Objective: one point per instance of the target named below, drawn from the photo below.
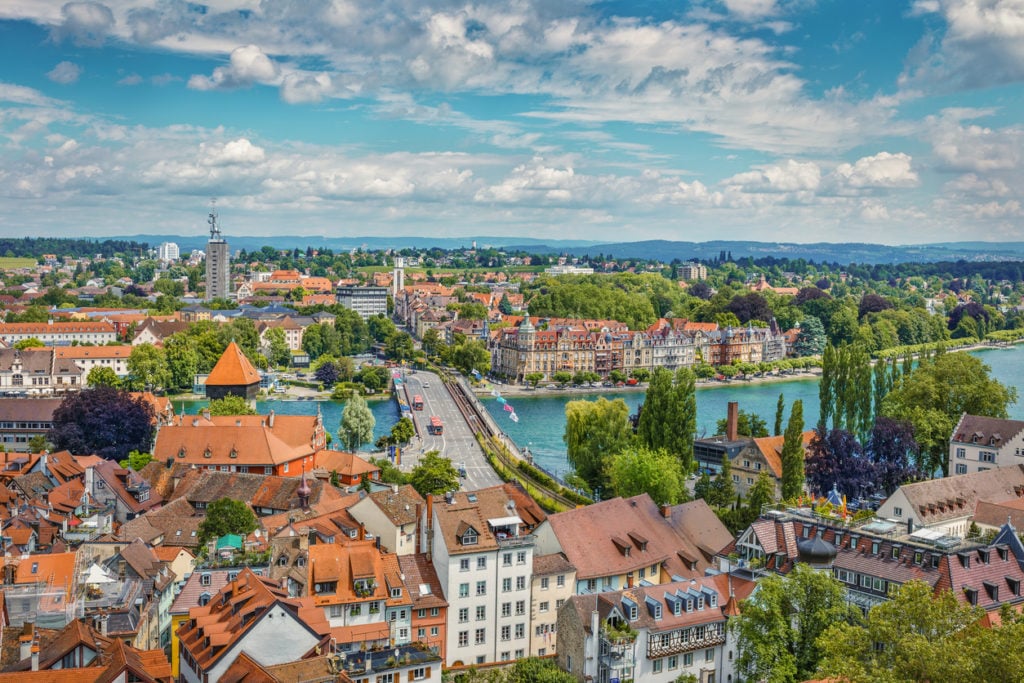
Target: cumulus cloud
(240, 151)
(130, 79)
(85, 23)
(973, 148)
(305, 87)
(65, 73)
(983, 45)
(973, 185)
(247, 65)
(790, 176)
(750, 9)
(883, 170)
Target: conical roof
(233, 369)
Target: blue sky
(891, 121)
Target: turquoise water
(384, 411)
(542, 417)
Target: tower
(218, 264)
(398, 281)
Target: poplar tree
(828, 369)
(793, 453)
(668, 420)
(780, 407)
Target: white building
(982, 443)
(366, 301)
(168, 251)
(482, 552)
(568, 270)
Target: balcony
(677, 644)
(508, 541)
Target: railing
(656, 649)
(516, 541)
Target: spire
(304, 489)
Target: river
(542, 417)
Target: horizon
(794, 121)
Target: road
(457, 443)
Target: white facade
(984, 443)
(168, 251)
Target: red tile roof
(233, 369)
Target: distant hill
(665, 250)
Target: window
(987, 456)
(519, 654)
(421, 633)
(736, 480)
(434, 631)
(544, 606)
(688, 659)
(558, 604)
(506, 633)
(560, 581)
(961, 469)
(421, 614)
(961, 452)
(463, 590)
(335, 611)
(481, 588)
(520, 631)
(544, 583)
(481, 563)
(520, 583)
(750, 481)
(463, 638)
(656, 667)
(463, 615)
(521, 557)
(481, 612)
(520, 607)
(895, 553)
(709, 654)
(481, 636)
(505, 656)
(419, 673)
(673, 662)
(898, 512)
(464, 564)
(204, 580)
(506, 585)
(506, 560)
(506, 609)
(435, 611)
(746, 464)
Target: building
(429, 608)
(554, 582)
(564, 269)
(392, 516)
(482, 550)
(366, 301)
(233, 375)
(654, 634)
(398, 278)
(89, 357)
(256, 444)
(59, 333)
(623, 542)
(23, 418)
(693, 271)
(168, 251)
(218, 262)
(982, 443)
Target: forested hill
(34, 247)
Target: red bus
(435, 427)
(417, 402)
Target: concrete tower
(218, 262)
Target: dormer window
(470, 537)
(396, 592)
(207, 453)
(234, 453)
(181, 452)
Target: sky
(886, 121)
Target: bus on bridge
(417, 402)
(436, 427)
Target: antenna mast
(212, 220)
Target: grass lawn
(11, 262)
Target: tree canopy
(103, 420)
(357, 422)
(226, 516)
(231, 405)
(434, 475)
(668, 418)
(595, 431)
(640, 470)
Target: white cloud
(239, 151)
(130, 79)
(85, 23)
(751, 9)
(883, 170)
(306, 87)
(791, 176)
(973, 185)
(973, 148)
(65, 73)
(247, 65)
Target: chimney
(35, 656)
(25, 640)
(910, 526)
(206, 414)
(732, 421)
(270, 419)
(362, 531)
(666, 511)
(419, 526)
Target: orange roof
(83, 352)
(238, 439)
(233, 369)
(771, 449)
(54, 569)
(343, 463)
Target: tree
(136, 461)
(327, 373)
(534, 378)
(30, 343)
(389, 474)
(780, 408)
(37, 444)
(811, 339)
(793, 453)
(595, 431)
(226, 516)
(182, 360)
(872, 303)
(431, 343)
(837, 459)
(749, 307)
(747, 424)
(357, 423)
(103, 420)
(403, 431)
(778, 628)
(919, 636)
(231, 405)
(434, 475)
(722, 489)
(147, 368)
(934, 395)
(471, 355)
(276, 345)
(563, 377)
(640, 470)
(892, 451)
(537, 670)
(100, 376)
(668, 419)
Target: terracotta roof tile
(233, 369)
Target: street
(457, 443)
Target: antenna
(212, 220)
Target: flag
(513, 417)
(844, 505)
(501, 400)
(509, 408)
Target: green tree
(182, 360)
(918, 636)
(278, 352)
(811, 339)
(668, 419)
(403, 431)
(471, 355)
(534, 378)
(778, 628)
(780, 408)
(226, 516)
(102, 376)
(934, 395)
(793, 453)
(30, 343)
(594, 432)
(640, 470)
(136, 461)
(537, 670)
(434, 475)
(147, 368)
(231, 405)
(722, 489)
(389, 474)
(747, 424)
(563, 377)
(357, 423)
(38, 444)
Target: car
(462, 469)
(426, 385)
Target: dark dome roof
(816, 550)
